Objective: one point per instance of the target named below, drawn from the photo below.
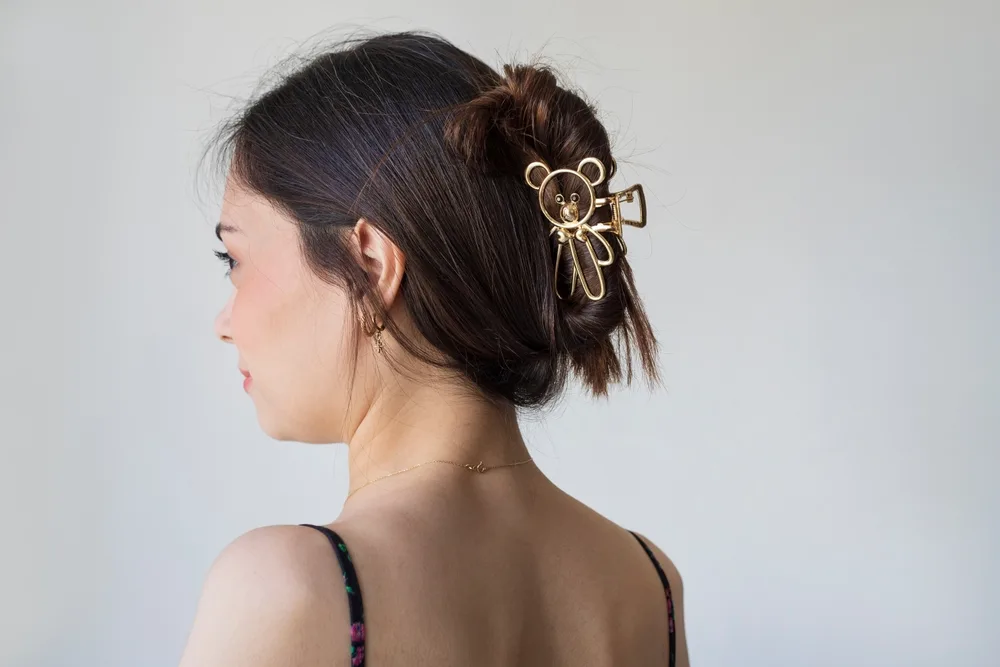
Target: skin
(456, 568)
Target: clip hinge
(626, 196)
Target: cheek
(262, 318)
(322, 364)
(294, 340)
(324, 340)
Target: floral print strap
(670, 599)
(353, 594)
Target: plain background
(820, 265)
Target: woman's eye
(227, 260)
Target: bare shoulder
(677, 594)
(269, 598)
(669, 569)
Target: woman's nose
(222, 320)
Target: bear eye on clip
(575, 198)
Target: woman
(410, 267)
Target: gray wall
(820, 264)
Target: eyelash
(226, 259)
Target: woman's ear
(381, 259)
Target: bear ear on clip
(601, 172)
(534, 169)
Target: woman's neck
(424, 422)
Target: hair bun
(510, 123)
(523, 116)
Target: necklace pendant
(479, 467)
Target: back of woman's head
(430, 145)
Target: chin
(276, 429)
(286, 431)
(270, 429)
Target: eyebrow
(223, 227)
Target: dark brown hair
(430, 144)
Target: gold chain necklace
(478, 467)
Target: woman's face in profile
(287, 325)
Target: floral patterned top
(355, 605)
(357, 611)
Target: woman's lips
(247, 380)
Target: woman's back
(492, 572)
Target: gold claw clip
(570, 222)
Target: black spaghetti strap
(353, 594)
(670, 599)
